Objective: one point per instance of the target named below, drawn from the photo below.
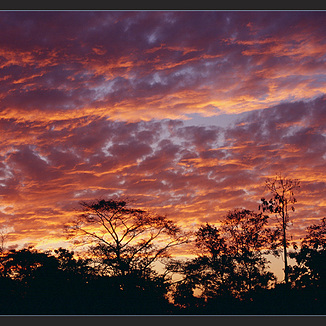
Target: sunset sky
(186, 113)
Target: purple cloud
(92, 106)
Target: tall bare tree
(282, 200)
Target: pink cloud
(174, 63)
(92, 106)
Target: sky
(184, 113)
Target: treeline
(117, 273)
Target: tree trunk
(286, 272)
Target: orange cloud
(98, 109)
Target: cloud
(93, 105)
(193, 173)
(144, 65)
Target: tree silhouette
(25, 264)
(230, 261)
(125, 240)
(37, 282)
(282, 190)
(248, 238)
(311, 258)
(115, 274)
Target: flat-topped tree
(125, 240)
